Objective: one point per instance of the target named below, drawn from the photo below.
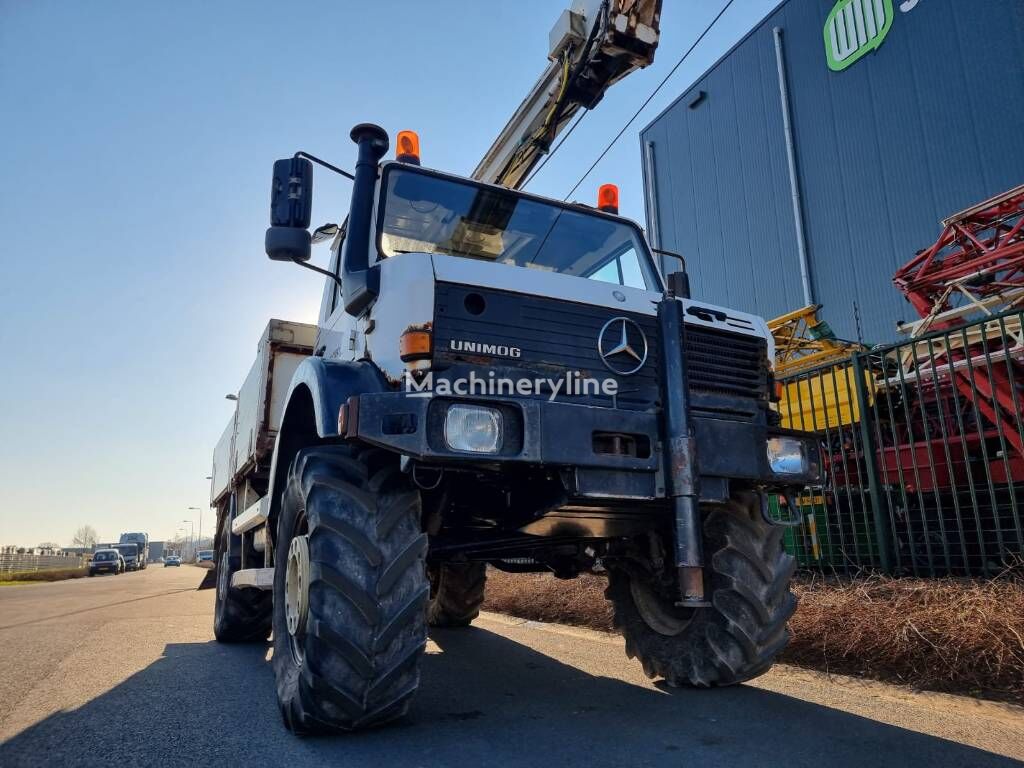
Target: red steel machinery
(975, 270)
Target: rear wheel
(747, 576)
(239, 615)
(349, 591)
(456, 593)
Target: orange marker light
(407, 148)
(608, 198)
(414, 345)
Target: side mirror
(291, 207)
(676, 283)
(325, 232)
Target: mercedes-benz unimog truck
(499, 380)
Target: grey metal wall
(928, 124)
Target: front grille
(553, 335)
(556, 336)
(723, 363)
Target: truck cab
(480, 239)
(141, 541)
(130, 554)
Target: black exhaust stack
(361, 282)
(680, 455)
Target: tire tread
(367, 592)
(738, 638)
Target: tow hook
(791, 522)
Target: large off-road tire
(456, 593)
(239, 615)
(352, 658)
(746, 577)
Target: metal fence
(924, 454)
(11, 562)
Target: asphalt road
(98, 670)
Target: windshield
(424, 213)
(104, 556)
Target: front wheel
(747, 576)
(350, 587)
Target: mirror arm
(325, 272)
(673, 254)
(325, 164)
(676, 283)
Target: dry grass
(53, 574)
(940, 634)
(937, 634)
(542, 597)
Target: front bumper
(558, 434)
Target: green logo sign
(855, 28)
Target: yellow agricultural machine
(818, 392)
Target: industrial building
(822, 152)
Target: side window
(335, 288)
(624, 269)
(632, 276)
(609, 273)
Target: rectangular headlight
(786, 456)
(473, 428)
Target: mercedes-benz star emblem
(622, 346)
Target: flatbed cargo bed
(248, 438)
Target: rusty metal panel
(248, 440)
(261, 398)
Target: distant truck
(130, 553)
(142, 541)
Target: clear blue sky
(137, 144)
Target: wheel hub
(223, 577)
(657, 612)
(296, 586)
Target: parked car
(106, 561)
(172, 560)
(204, 556)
